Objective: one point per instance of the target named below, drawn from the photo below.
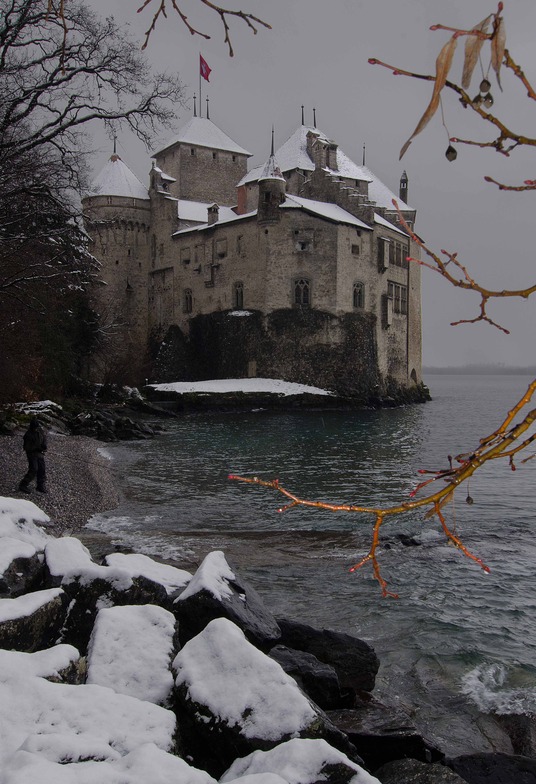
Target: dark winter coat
(35, 440)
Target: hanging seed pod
(477, 100)
(485, 86)
(451, 153)
(469, 500)
(487, 100)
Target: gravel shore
(80, 481)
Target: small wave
(487, 686)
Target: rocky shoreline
(164, 625)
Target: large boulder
(300, 761)
(354, 660)
(32, 621)
(495, 768)
(215, 591)
(410, 771)
(130, 651)
(233, 699)
(318, 680)
(382, 733)
(59, 664)
(92, 587)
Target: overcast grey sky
(317, 55)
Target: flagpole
(200, 99)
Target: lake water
(471, 634)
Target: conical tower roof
(116, 179)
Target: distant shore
(79, 479)
(481, 370)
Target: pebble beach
(80, 481)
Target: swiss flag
(204, 70)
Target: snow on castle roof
(293, 155)
(116, 179)
(382, 195)
(203, 133)
(323, 209)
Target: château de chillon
(295, 270)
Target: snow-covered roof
(388, 225)
(271, 170)
(325, 210)
(293, 155)
(228, 216)
(116, 179)
(203, 133)
(196, 211)
(382, 195)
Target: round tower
(272, 190)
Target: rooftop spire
(208, 116)
(302, 115)
(195, 105)
(314, 118)
(272, 148)
(363, 155)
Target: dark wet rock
(33, 621)
(318, 680)
(216, 591)
(382, 733)
(411, 771)
(521, 729)
(24, 574)
(495, 768)
(354, 660)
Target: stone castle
(295, 270)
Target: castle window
(238, 295)
(185, 255)
(187, 301)
(117, 262)
(399, 296)
(303, 245)
(109, 200)
(359, 295)
(234, 158)
(355, 250)
(221, 248)
(129, 252)
(239, 240)
(214, 156)
(302, 292)
(192, 150)
(383, 253)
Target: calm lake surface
(468, 632)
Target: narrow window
(355, 250)
(359, 295)
(192, 150)
(188, 301)
(214, 156)
(302, 292)
(238, 295)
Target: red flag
(204, 70)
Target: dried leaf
(498, 45)
(443, 64)
(473, 45)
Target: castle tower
(403, 191)
(272, 190)
(117, 212)
(205, 163)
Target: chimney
(213, 214)
(403, 191)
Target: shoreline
(80, 479)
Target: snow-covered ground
(265, 385)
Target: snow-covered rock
(130, 651)
(137, 565)
(33, 620)
(61, 663)
(300, 761)
(215, 591)
(234, 699)
(21, 567)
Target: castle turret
(403, 191)
(272, 190)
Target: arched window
(188, 300)
(238, 295)
(359, 295)
(302, 291)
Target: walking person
(35, 446)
